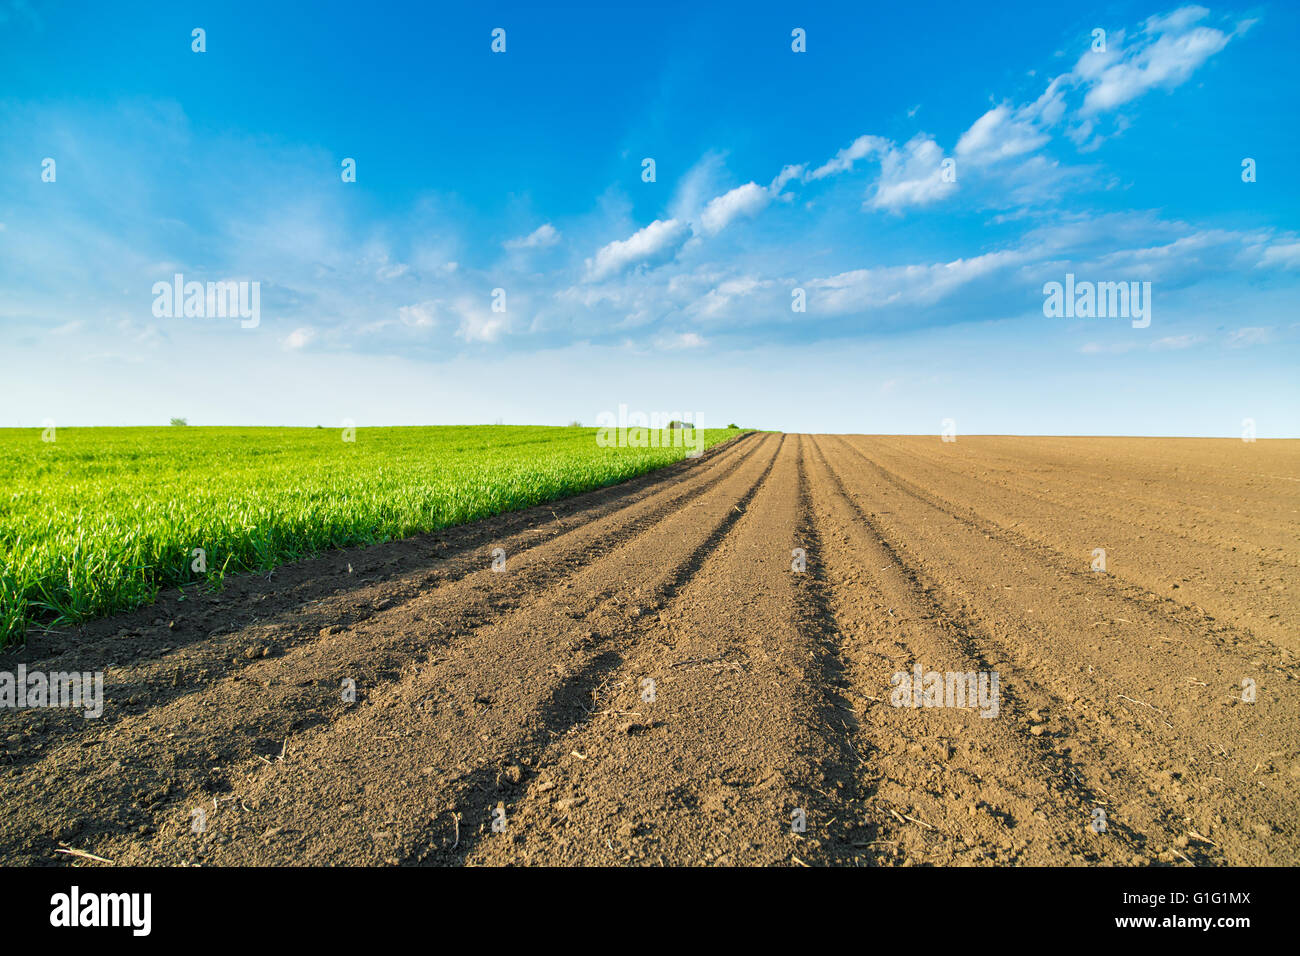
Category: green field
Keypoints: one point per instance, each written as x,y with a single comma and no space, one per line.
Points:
99,519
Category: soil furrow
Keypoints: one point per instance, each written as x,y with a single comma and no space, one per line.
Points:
458,716
984,769
1146,547
712,665
1140,692
726,763
196,740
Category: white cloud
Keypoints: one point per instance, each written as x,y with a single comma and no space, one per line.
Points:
420,316
298,338
863,289
1177,21
656,242
996,133
706,178
1005,131
717,300
542,237
327,293
910,176
843,161
722,210
1166,54
1286,255
478,323
1183,257
787,173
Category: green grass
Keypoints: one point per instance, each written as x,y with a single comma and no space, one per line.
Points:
101,519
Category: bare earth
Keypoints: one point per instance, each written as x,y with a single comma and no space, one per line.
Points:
521,694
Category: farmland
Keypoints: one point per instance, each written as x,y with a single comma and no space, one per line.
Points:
98,520
700,665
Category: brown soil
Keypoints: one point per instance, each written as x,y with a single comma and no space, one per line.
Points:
522,694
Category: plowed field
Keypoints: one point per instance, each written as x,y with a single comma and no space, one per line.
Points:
651,679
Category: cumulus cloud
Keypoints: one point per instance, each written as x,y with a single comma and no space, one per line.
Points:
1166,53
706,178
718,299
655,243
910,176
325,291
542,237
1007,131
722,210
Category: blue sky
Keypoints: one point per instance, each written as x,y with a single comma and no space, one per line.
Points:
775,171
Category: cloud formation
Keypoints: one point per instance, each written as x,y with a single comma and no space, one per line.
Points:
651,244
542,237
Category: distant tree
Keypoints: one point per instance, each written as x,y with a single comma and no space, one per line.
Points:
179,421
575,424
733,425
